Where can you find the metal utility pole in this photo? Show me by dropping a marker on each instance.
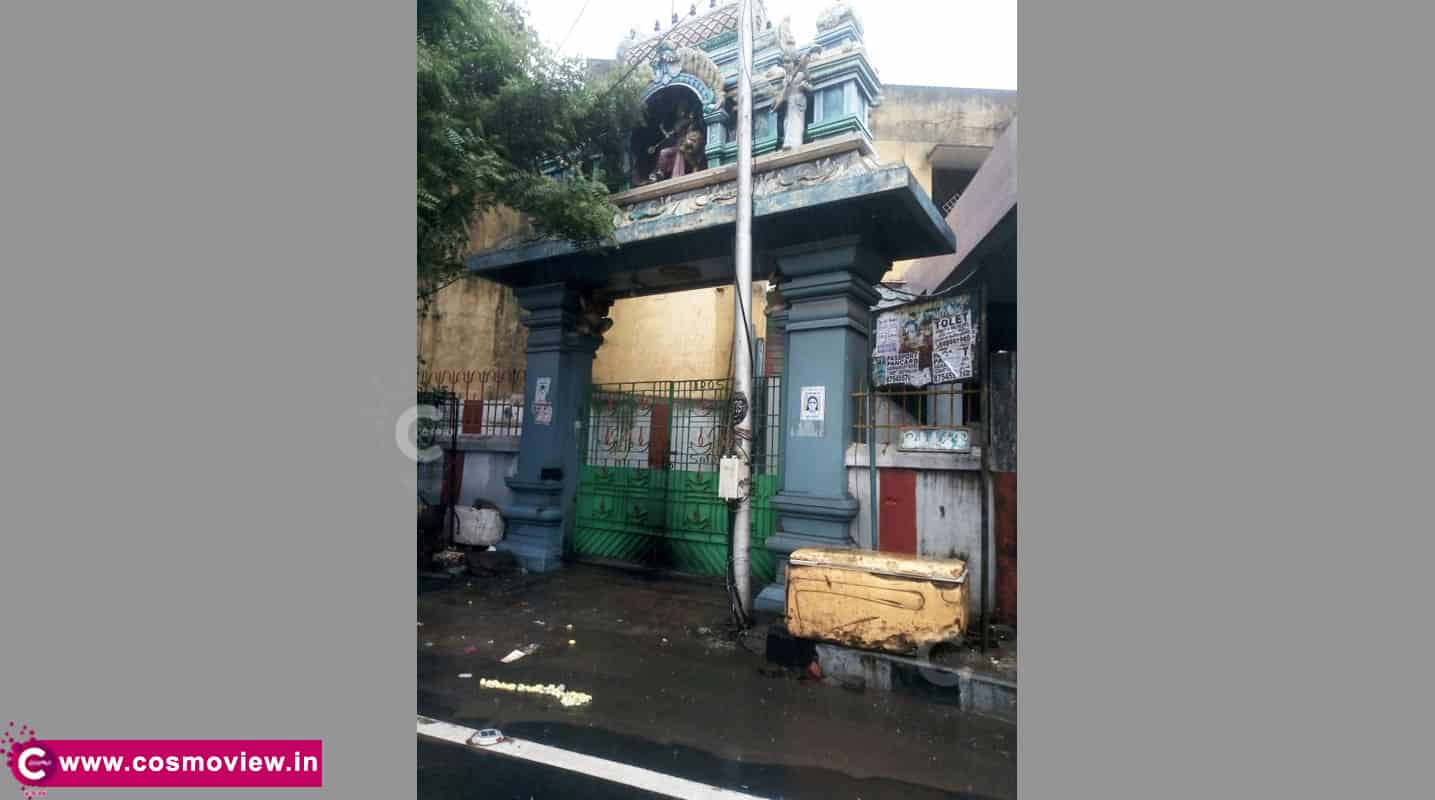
(742, 318)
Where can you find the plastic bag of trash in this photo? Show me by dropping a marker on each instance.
(479, 527)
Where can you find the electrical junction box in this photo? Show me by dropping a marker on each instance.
(728, 478)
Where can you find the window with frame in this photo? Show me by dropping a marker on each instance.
(831, 102)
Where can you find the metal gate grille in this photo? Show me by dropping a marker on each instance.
(647, 490)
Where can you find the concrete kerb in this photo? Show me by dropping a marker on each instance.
(863, 670)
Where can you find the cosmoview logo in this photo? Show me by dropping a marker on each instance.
(31, 761)
(406, 434)
(34, 763)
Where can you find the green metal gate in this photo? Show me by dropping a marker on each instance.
(647, 487)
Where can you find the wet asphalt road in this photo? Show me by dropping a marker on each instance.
(669, 700)
(450, 771)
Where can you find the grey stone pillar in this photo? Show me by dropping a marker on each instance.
(546, 480)
(828, 292)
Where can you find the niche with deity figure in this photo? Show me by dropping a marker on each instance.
(671, 143)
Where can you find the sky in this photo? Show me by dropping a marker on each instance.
(964, 43)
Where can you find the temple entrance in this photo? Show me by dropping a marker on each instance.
(648, 475)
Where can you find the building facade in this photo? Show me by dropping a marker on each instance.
(858, 184)
(941, 134)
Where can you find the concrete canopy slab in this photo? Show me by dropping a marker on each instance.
(679, 234)
(984, 218)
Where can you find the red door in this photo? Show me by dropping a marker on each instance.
(658, 437)
(897, 489)
(472, 416)
(1004, 498)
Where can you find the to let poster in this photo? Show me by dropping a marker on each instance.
(924, 343)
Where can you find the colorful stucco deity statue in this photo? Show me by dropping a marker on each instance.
(681, 146)
(792, 99)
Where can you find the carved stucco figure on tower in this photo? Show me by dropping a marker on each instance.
(835, 13)
(681, 146)
(792, 98)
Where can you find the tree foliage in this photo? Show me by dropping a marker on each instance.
(497, 113)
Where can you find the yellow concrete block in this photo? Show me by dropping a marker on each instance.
(875, 601)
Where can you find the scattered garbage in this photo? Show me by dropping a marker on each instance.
(421, 624)
(560, 691)
(572, 642)
(526, 650)
(569, 626)
(428, 644)
(539, 622)
(470, 650)
(465, 674)
(448, 558)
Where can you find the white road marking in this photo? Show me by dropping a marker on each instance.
(627, 774)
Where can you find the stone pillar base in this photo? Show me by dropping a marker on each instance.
(545, 483)
(533, 525)
(805, 522)
(534, 553)
(772, 599)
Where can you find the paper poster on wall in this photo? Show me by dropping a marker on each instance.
(924, 343)
(543, 413)
(811, 412)
(889, 330)
(814, 403)
(540, 391)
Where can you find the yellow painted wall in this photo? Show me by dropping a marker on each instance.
(967, 117)
(474, 324)
(674, 336)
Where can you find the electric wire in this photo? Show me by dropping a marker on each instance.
(573, 27)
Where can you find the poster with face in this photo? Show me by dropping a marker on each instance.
(924, 343)
(814, 403)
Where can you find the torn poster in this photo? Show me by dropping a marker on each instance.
(924, 343)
